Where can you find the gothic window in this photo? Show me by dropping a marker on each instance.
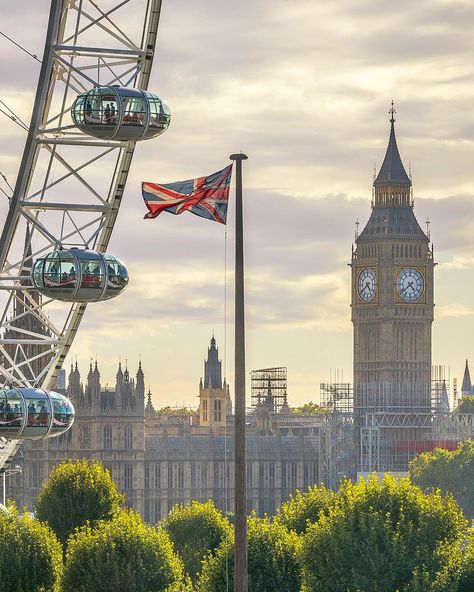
(147, 511)
(217, 410)
(283, 476)
(128, 437)
(157, 476)
(84, 436)
(180, 477)
(293, 476)
(128, 476)
(204, 474)
(107, 437)
(204, 410)
(249, 475)
(36, 475)
(147, 480)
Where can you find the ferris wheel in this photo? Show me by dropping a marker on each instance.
(90, 109)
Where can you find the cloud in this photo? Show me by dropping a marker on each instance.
(304, 88)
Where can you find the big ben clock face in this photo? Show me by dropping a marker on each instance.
(410, 284)
(367, 284)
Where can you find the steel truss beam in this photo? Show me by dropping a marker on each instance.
(69, 187)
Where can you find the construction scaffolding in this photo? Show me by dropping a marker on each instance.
(269, 387)
(391, 438)
(382, 427)
(337, 436)
(337, 396)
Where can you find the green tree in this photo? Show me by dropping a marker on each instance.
(304, 508)
(465, 405)
(381, 537)
(273, 560)
(30, 555)
(309, 409)
(176, 411)
(451, 472)
(466, 572)
(196, 530)
(122, 555)
(76, 493)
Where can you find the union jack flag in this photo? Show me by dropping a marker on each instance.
(205, 196)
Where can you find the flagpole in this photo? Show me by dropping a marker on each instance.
(240, 549)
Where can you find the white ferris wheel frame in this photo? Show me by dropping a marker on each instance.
(57, 155)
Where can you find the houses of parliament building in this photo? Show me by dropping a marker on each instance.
(159, 460)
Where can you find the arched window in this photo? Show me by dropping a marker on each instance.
(217, 410)
(128, 437)
(107, 437)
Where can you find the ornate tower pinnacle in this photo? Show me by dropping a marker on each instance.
(466, 381)
(392, 186)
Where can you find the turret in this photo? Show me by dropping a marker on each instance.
(74, 389)
(140, 388)
(213, 397)
(466, 382)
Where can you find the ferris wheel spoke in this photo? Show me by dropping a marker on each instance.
(106, 16)
(58, 225)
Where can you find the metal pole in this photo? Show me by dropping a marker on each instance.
(240, 549)
(4, 488)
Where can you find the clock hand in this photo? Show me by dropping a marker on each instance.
(409, 285)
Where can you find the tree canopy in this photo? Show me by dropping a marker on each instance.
(309, 409)
(176, 411)
(381, 537)
(122, 555)
(76, 493)
(449, 471)
(273, 560)
(196, 530)
(30, 554)
(304, 508)
(466, 405)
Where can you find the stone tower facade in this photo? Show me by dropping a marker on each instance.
(392, 301)
(109, 426)
(214, 395)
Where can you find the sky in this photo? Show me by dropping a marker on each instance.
(304, 89)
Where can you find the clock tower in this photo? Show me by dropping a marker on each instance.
(392, 304)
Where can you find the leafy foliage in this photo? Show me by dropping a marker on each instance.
(273, 560)
(30, 554)
(309, 409)
(302, 509)
(122, 555)
(196, 530)
(77, 493)
(466, 572)
(176, 411)
(466, 405)
(381, 537)
(449, 471)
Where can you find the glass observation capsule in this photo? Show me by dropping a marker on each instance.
(34, 414)
(79, 275)
(120, 113)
